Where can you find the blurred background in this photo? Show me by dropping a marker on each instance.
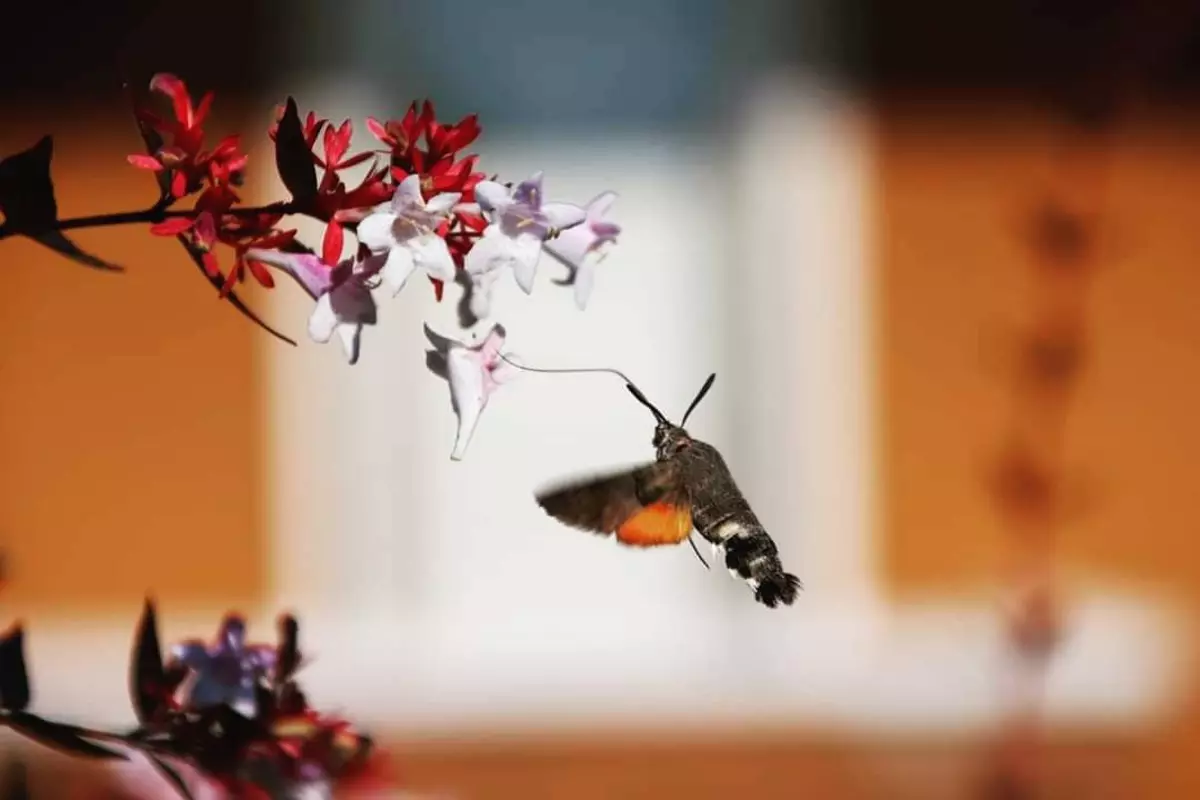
(939, 255)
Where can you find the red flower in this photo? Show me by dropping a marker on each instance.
(203, 235)
(189, 164)
(241, 242)
(337, 142)
(447, 140)
(446, 175)
(442, 144)
(314, 743)
(400, 136)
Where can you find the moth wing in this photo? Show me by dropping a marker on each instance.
(664, 522)
(645, 505)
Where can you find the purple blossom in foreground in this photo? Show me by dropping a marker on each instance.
(226, 671)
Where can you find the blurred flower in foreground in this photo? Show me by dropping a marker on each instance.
(239, 720)
(227, 671)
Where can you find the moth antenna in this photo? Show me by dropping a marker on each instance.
(696, 550)
(641, 398)
(700, 396)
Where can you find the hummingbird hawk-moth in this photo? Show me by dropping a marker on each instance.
(687, 485)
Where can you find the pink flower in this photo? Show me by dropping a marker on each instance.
(474, 372)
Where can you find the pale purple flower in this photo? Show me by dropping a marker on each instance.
(474, 372)
(584, 246)
(344, 304)
(227, 671)
(520, 223)
(404, 231)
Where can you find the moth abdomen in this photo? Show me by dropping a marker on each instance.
(751, 555)
(777, 587)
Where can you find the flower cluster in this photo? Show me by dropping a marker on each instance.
(228, 710)
(234, 711)
(422, 206)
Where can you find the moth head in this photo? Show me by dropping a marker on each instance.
(669, 439)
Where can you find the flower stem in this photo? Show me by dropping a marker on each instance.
(151, 215)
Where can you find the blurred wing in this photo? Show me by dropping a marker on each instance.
(645, 506)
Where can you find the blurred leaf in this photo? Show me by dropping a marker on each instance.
(66, 738)
(14, 676)
(217, 282)
(288, 653)
(295, 246)
(26, 190)
(293, 158)
(146, 670)
(264, 703)
(172, 775)
(59, 243)
(30, 209)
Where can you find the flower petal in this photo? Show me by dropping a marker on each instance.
(332, 243)
(442, 203)
(467, 395)
(431, 254)
(585, 278)
(307, 269)
(571, 246)
(604, 231)
(172, 227)
(526, 250)
(600, 205)
(322, 321)
(492, 197)
(505, 371)
(143, 161)
(408, 194)
(563, 216)
(352, 302)
(192, 654)
(492, 251)
(350, 337)
(489, 349)
(529, 191)
(175, 89)
(398, 268)
(375, 231)
(481, 293)
(378, 130)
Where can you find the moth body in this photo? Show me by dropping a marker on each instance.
(688, 486)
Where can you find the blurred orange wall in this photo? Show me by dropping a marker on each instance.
(129, 407)
(955, 196)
